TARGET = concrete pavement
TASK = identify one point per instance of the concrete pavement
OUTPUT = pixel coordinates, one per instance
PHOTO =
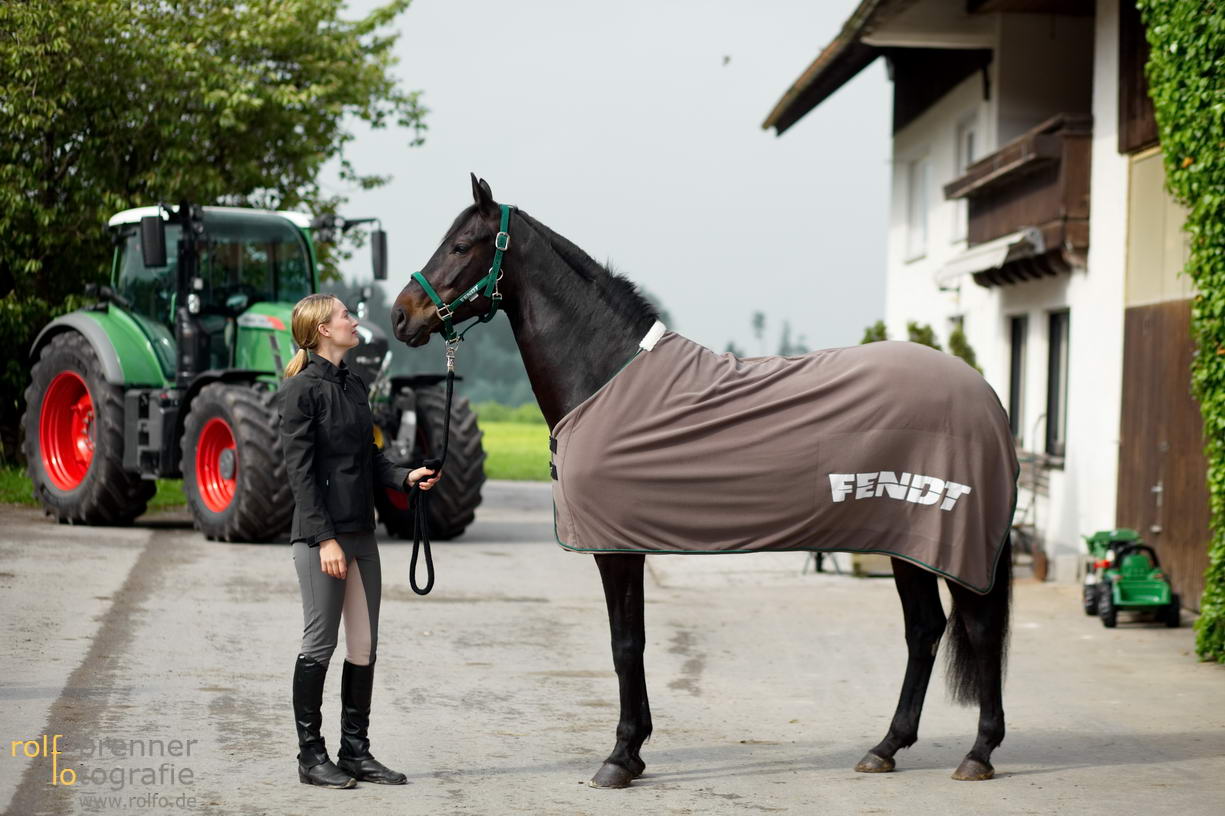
(496, 695)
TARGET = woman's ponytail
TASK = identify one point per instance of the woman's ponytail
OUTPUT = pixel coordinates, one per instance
(308, 314)
(297, 362)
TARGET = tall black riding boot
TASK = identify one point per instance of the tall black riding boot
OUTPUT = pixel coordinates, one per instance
(356, 685)
(314, 766)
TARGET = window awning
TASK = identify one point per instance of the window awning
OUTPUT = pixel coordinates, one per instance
(991, 256)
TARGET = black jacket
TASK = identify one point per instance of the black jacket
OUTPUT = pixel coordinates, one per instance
(333, 465)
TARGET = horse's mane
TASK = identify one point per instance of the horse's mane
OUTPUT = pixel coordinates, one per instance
(619, 293)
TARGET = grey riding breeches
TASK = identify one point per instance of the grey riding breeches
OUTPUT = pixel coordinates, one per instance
(325, 599)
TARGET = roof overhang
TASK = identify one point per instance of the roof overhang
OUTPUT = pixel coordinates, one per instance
(883, 27)
(836, 65)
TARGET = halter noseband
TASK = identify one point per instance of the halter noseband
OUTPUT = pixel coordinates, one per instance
(487, 286)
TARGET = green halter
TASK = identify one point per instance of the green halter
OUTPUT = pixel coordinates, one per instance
(487, 286)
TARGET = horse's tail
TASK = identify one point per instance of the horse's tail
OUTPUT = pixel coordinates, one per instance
(978, 633)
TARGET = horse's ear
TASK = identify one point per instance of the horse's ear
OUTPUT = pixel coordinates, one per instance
(482, 195)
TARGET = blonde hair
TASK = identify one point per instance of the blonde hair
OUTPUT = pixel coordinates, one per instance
(308, 314)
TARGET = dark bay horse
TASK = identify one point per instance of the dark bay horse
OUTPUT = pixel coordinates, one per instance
(576, 324)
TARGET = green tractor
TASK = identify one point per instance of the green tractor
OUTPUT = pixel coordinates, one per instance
(174, 370)
(1123, 574)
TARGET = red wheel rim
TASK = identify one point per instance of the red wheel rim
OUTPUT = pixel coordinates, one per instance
(66, 430)
(398, 498)
(217, 465)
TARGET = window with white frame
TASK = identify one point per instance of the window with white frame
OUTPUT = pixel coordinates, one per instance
(967, 154)
(1018, 330)
(1057, 385)
(917, 174)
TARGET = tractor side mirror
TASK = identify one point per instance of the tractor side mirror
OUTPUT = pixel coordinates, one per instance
(378, 253)
(153, 241)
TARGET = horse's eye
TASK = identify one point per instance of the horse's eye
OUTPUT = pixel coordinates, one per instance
(460, 249)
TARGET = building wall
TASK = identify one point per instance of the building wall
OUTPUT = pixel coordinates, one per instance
(910, 290)
(1044, 63)
(1081, 496)
(1088, 489)
(1157, 245)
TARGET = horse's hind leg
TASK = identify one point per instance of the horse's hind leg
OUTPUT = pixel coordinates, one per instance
(622, 576)
(925, 621)
(978, 640)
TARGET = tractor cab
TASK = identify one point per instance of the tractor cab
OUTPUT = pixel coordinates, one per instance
(193, 277)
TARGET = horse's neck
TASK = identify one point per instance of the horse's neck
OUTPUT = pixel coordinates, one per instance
(570, 340)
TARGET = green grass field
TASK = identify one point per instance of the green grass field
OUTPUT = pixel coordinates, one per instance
(516, 450)
(15, 488)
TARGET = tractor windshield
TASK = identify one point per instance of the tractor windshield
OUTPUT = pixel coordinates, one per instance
(245, 260)
(149, 289)
(150, 292)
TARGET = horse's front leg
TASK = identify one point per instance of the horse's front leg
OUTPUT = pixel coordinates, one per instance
(623, 591)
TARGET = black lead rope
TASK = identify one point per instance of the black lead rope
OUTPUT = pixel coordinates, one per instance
(421, 506)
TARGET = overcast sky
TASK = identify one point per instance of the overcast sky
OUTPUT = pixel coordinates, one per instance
(634, 129)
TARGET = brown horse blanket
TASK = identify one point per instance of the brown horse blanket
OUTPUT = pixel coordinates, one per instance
(887, 447)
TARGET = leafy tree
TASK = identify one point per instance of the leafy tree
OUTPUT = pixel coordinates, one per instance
(875, 333)
(959, 346)
(759, 329)
(734, 349)
(787, 347)
(923, 334)
(109, 104)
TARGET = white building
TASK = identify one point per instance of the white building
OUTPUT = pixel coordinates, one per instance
(1028, 207)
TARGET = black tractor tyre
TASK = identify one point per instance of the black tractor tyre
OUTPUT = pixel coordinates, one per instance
(1173, 611)
(454, 499)
(236, 486)
(104, 493)
(1106, 610)
(1089, 599)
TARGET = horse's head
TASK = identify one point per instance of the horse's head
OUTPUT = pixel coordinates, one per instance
(463, 258)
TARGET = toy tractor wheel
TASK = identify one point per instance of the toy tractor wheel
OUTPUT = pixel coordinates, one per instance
(1173, 612)
(1089, 599)
(73, 427)
(233, 470)
(1106, 610)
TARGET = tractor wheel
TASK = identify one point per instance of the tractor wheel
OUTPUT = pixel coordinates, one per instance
(453, 501)
(395, 511)
(1173, 612)
(73, 427)
(1106, 610)
(1089, 599)
(233, 470)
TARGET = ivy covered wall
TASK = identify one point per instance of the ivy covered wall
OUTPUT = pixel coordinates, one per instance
(1186, 76)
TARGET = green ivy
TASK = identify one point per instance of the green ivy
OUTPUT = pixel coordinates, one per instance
(1186, 77)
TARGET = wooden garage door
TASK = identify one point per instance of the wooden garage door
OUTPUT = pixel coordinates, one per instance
(1162, 490)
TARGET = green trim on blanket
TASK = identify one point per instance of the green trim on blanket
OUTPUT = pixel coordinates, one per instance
(994, 563)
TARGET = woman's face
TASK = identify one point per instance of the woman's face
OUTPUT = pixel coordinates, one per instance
(341, 328)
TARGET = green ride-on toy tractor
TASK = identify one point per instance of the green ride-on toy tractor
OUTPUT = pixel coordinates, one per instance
(1123, 574)
(173, 373)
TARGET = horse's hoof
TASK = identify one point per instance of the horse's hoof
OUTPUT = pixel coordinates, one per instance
(971, 770)
(611, 776)
(871, 763)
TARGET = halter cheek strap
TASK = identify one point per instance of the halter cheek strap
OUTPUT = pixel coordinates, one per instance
(487, 286)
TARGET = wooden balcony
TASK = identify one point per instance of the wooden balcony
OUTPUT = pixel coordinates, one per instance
(1037, 182)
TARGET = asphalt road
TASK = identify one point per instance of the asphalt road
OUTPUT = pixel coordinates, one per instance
(496, 694)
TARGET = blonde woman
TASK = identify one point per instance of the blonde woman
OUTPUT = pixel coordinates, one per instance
(327, 434)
